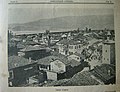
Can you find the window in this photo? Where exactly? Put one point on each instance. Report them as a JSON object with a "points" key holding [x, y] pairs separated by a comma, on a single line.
{"points": [[75, 47], [11, 74], [78, 58], [70, 53], [49, 67], [70, 47], [66, 52]]}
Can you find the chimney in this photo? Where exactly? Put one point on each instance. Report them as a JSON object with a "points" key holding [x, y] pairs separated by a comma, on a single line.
{"points": [[29, 59]]}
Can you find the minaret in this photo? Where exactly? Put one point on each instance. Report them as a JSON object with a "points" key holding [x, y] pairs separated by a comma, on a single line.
{"points": [[48, 37]]}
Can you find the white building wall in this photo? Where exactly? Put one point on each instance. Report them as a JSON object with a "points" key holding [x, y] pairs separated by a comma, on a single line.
{"points": [[51, 75], [72, 49], [61, 50], [75, 48], [21, 54], [60, 47], [58, 66], [106, 54]]}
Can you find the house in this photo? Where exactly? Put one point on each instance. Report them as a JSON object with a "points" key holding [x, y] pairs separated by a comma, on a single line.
{"points": [[60, 69], [64, 36], [29, 38], [66, 61], [37, 39], [67, 47], [44, 63], [20, 69], [20, 54], [105, 73], [63, 46], [16, 39], [12, 48], [20, 46], [74, 46], [35, 52], [31, 43], [45, 68], [80, 78], [75, 56], [54, 48], [55, 66], [58, 66], [55, 39], [82, 48], [52, 75]]}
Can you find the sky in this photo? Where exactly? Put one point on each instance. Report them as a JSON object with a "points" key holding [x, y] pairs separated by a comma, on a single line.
{"points": [[24, 14]]}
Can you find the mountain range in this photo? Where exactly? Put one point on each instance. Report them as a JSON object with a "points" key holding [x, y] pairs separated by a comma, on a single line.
{"points": [[67, 22]]}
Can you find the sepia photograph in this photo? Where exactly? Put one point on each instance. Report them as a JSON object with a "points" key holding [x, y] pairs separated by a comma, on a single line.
{"points": [[61, 45]]}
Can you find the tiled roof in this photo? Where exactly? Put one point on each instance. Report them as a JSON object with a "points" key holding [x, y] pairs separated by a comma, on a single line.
{"points": [[20, 46], [56, 38], [64, 42], [34, 48], [74, 63], [82, 78], [65, 61], [16, 39], [80, 37], [30, 43], [61, 57], [101, 71], [78, 79], [16, 61], [80, 55], [77, 54], [69, 42], [73, 42], [47, 60]]}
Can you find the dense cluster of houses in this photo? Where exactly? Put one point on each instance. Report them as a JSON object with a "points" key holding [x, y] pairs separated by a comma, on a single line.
{"points": [[100, 75], [38, 58]]}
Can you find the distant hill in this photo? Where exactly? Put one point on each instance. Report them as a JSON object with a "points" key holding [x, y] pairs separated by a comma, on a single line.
{"points": [[67, 22]]}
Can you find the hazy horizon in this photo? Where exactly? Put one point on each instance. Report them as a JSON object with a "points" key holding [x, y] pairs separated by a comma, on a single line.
{"points": [[25, 15], [59, 17]]}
